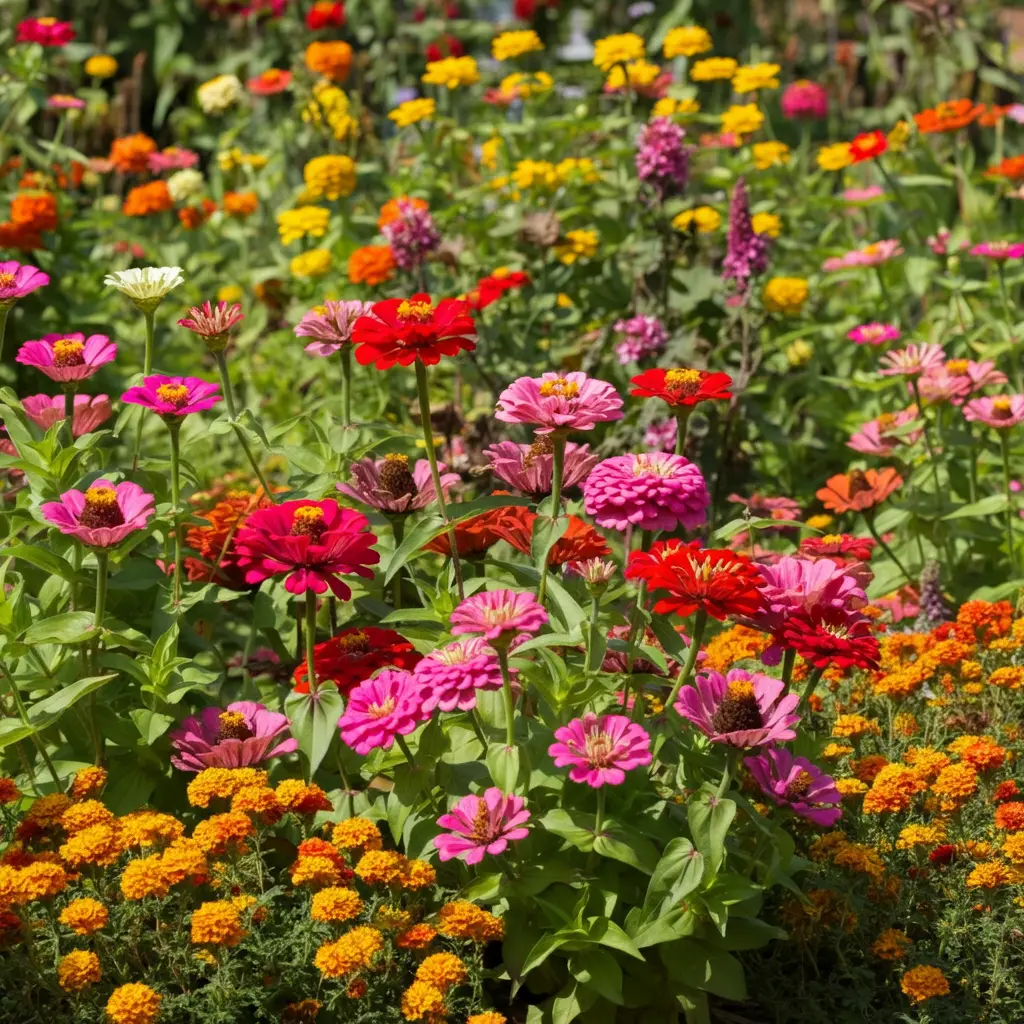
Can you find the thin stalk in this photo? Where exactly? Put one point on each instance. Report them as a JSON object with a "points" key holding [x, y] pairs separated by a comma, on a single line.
{"points": [[346, 385], [428, 437], [398, 531], [1018, 383], [174, 428], [349, 792], [730, 766], [928, 445], [812, 682], [682, 429], [557, 475], [229, 400], [598, 826], [4, 312], [404, 747], [474, 720], [101, 607], [700, 620], [1004, 444], [788, 661], [869, 519], [506, 689], [147, 369], [311, 641], [588, 662], [23, 715], [69, 413]]}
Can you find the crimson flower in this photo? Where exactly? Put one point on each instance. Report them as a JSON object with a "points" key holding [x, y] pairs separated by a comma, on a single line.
{"points": [[681, 387], [868, 145], [404, 330], [354, 655], [840, 548], [825, 635], [325, 13], [489, 289], [718, 581]]}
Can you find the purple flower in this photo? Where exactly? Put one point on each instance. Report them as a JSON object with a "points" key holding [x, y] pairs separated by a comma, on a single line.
{"points": [[388, 485], [90, 411], [795, 783], [652, 491], [501, 615], [644, 336], [173, 396], [482, 825], [528, 467], [601, 749], [742, 709], [103, 515], [330, 325], [746, 251], [451, 675], [17, 280], [67, 357], [380, 709], [412, 235], [245, 733], [661, 158]]}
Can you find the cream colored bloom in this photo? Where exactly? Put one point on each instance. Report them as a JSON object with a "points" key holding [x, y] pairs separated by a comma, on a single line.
{"points": [[184, 184], [145, 286], [216, 95]]}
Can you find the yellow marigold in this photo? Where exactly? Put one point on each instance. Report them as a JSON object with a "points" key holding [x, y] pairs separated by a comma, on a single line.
{"points": [[88, 782], [223, 832], [905, 724], [332, 59], [535, 174], [78, 970], [754, 77], [336, 903], [413, 111], [1013, 848], [184, 858], [222, 783], [98, 844], [769, 154], [314, 263], [912, 836], [315, 871], [733, 645], [620, 49], [421, 1001], [101, 65], [356, 834], [1011, 677], [973, 689], [893, 789], [84, 916], [742, 119], [892, 944], [144, 877], [420, 936], [859, 858], [668, 107], [835, 156], [686, 41], [702, 219], [464, 920], [381, 867], [451, 72], [641, 74], [488, 1017], [510, 45], [851, 788], [578, 244], [85, 814], [260, 801], [834, 750], [417, 874], [330, 176], [133, 1003], [992, 875], [921, 983], [925, 761], [147, 828], [769, 224], [302, 797], [38, 881], [442, 970], [785, 295], [217, 923], [978, 849], [295, 224], [852, 726], [354, 951], [713, 69], [956, 781]]}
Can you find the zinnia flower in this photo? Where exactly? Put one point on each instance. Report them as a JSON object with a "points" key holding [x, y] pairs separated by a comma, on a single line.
{"points": [[500, 615], [874, 333], [387, 484], [404, 330], [859, 490], [103, 515], [796, 784], [355, 654], [411, 234], [211, 324], [269, 82], [91, 411], [243, 734], [45, 31], [145, 286], [804, 101], [528, 467], [312, 541], [1000, 413], [380, 709], [482, 825], [556, 402], [18, 280], [883, 436], [330, 325], [643, 336], [67, 357], [172, 397], [681, 387], [451, 675], [826, 635], [601, 749], [912, 361]]}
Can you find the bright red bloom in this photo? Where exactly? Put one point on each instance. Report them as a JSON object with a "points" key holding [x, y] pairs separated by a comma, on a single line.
{"points": [[826, 636], [1010, 816], [944, 854], [354, 655], [45, 31], [1006, 790], [859, 490], [490, 289], [325, 13], [720, 582], [269, 82], [681, 387], [445, 46], [838, 547], [404, 330], [867, 146], [474, 537]]}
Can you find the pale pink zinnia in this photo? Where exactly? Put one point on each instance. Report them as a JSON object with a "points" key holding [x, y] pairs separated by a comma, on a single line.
{"points": [[330, 325], [451, 675], [91, 411], [554, 401], [912, 361], [380, 709], [869, 256], [601, 749], [528, 467], [882, 436], [859, 196], [939, 384], [1001, 412], [67, 357], [999, 250], [741, 709], [797, 784], [387, 484], [244, 733], [18, 280], [212, 324], [500, 615], [482, 825], [874, 333], [651, 491], [103, 515], [173, 396]]}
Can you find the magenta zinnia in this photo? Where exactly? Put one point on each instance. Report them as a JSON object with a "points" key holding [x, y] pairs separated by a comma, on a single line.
{"points": [[103, 515], [389, 485], [67, 357], [528, 467], [242, 734], [482, 825], [173, 396], [18, 280], [330, 326], [554, 401], [795, 783], [601, 749], [500, 615], [380, 709], [451, 675]]}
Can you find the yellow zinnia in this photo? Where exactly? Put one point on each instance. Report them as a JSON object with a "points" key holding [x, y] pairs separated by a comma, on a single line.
{"points": [[686, 41], [835, 157], [785, 295], [314, 263], [620, 49], [742, 119], [703, 219], [579, 244], [713, 69], [451, 72], [510, 45], [412, 112], [753, 77], [668, 107], [770, 154]]}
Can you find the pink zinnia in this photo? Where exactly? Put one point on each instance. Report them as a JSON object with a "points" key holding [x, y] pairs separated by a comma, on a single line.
{"points": [[652, 491], [388, 485], [310, 541], [482, 825], [661, 435], [67, 357], [912, 361], [981, 375], [90, 411], [17, 280], [500, 615], [451, 675], [380, 709], [528, 467], [870, 256], [804, 100], [245, 733], [173, 396], [874, 333], [103, 515], [554, 401], [940, 385], [601, 749], [1001, 412], [45, 31], [212, 324], [172, 158], [795, 783], [61, 101], [999, 250], [883, 436], [330, 325], [863, 195], [742, 709]]}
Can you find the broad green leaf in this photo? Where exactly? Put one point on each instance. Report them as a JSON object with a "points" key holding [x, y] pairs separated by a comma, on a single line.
{"points": [[629, 847], [546, 533], [542, 949], [503, 764], [49, 561], [678, 873], [12, 730], [575, 828], [989, 506], [68, 628], [46, 711], [709, 819], [597, 969], [314, 722]]}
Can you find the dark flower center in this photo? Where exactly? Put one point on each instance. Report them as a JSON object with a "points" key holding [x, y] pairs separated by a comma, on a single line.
{"points": [[395, 477], [233, 726], [309, 522], [173, 394], [353, 644], [542, 446], [101, 509], [1001, 409], [738, 710], [858, 482], [481, 823], [68, 352], [797, 789]]}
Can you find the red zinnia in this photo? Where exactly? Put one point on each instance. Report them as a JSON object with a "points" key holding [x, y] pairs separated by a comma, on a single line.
{"points": [[838, 548], [404, 330], [269, 82], [445, 46], [324, 13], [867, 146], [827, 636], [943, 854], [490, 289], [354, 655], [720, 582], [680, 386]]}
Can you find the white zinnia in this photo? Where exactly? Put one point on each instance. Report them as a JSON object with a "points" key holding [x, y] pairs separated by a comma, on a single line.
{"points": [[145, 286], [216, 95], [184, 184]]}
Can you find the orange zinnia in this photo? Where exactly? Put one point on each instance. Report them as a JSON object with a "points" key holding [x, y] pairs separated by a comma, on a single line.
{"points": [[34, 211], [371, 265], [130, 153], [152, 197], [392, 209], [331, 59], [15, 236], [192, 217], [948, 117], [240, 204], [1012, 167], [859, 490], [992, 116]]}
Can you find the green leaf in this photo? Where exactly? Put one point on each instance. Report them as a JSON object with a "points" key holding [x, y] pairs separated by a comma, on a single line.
{"points": [[46, 711], [735, 526], [542, 949], [1000, 592], [11, 731], [546, 533], [989, 506], [597, 969], [629, 847], [314, 721], [709, 819], [608, 933], [48, 561], [575, 828], [151, 724], [678, 873], [69, 628], [703, 967], [503, 765]]}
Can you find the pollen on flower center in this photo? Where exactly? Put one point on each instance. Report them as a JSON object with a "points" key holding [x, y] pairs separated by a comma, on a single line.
{"points": [[395, 477], [832, 538], [47, 21], [599, 749], [173, 394], [560, 388], [799, 786], [271, 76], [738, 709], [542, 446], [499, 616], [101, 508], [68, 352], [414, 312], [683, 382], [232, 726], [6, 280], [353, 643], [957, 367], [858, 482], [481, 823], [1002, 409], [646, 464], [309, 522], [381, 710]]}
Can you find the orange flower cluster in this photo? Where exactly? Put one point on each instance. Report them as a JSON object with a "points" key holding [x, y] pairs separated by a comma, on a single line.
{"points": [[371, 265], [143, 200], [129, 154], [192, 217], [948, 117], [32, 213], [215, 543], [240, 204]]}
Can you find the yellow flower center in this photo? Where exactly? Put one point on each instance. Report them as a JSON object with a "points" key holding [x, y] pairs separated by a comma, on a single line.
{"points": [[67, 352], [542, 446], [271, 76], [599, 748], [101, 508], [741, 689], [481, 823], [683, 382], [47, 21], [832, 538], [173, 394], [414, 312], [309, 522], [232, 726], [799, 786], [6, 280], [1001, 408], [957, 367], [559, 388], [886, 421], [381, 710]]}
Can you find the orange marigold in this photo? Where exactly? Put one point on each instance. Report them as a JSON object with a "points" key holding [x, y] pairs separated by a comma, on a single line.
{"points": [[88, 782], [8, 790], [357, 834], [336, 904], [89, 812], [184, 858], [223, 832], [417, 874], [305, 1011], [893, 790], [392, 209], [371, 265], [84, 916], [421, 1001], [381, 867], [330, 58], [867, 768], [98, 844], [1010, 677], [982, 753], [147, 828], [354, 951], [1010, 816], [850, 726], [34, 211], [921, 983], [153, 197], [79, 969], [419, 936], [316, 871], [302, 797], [926, 761], [222, 783], [892, 944], [738, 643], [38, 881], [464, 920], [260, 801], [487, 1017], [956, 782], [240, 204], [983, 621], [217, 923], [133, 1003], [130, 153], [1013, 848], [905, 724], [144, 877], [442, 970], [992, 875]]}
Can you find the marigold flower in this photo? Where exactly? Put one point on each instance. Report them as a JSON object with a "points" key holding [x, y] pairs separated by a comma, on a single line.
{"points": [[144, 877], [78, 969], [371, 265], [956, 782], [354, 951], [488, 1017], [217, 923], [1010, 816], [305, 1011], [84, 916], [34, 211], [1013, 848], [335, 904], [222, 833], [993, 875], [421, 1001], [356, 834], [380, 867], [39, 880], [330, 176], [98, 844], [153, 197], [419, 936], [785, 295], [893, 789], [130, 153], [913, 836], [223, 783], [892, 944], [133, 1003]]}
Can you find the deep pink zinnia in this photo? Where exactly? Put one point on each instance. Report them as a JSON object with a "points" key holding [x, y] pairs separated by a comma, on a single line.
{"points": [[67, 357], [172, 158], [103, 515], [212, 324], [874, 333], [389, 485], [804, 100], [244, 733], [651, 491], [999, 250], [90, 411], [554, 401], [451, 675], [912, 361], [1000, 413], [380, 709], [500, 615], [310, 541], [330, 325], [528, 467], [482, 825], [795, 783], [18, 280], [882, 436], [601, 749], [742, 709], [45, 31], [173, 396]]}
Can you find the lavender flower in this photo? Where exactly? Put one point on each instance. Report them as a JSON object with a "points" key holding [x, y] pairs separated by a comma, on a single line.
{"points": [[661, 158], [933, 605], [747, 252], [644, 336]]}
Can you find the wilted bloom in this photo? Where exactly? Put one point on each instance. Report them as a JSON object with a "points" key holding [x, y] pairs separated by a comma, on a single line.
{"points": [[999, 250], [145, 286], [18, 280], [212, 324], [601, 749], [103, 515], [90, 411], [912, 361], [529, 467], [796, 784], [804, 101], [742, 709], [245, 733], [381, 708], [451, 675], [173, 396], [500, 615], [1001, 412], [882, 436], [482, 825], [330, 325], [67, 357], [404, 330], [389, 485], [644, 336], [747, 251], [681, 387], [661, 158], [859, 490], [553, 401], [874, 333]]}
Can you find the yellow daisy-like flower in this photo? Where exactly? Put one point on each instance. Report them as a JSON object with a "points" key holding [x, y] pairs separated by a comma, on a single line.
{"points": [[713, 69], [620, 49], [921, 983], [686, 41], [133, 1003], [576, 169], [769, 224], [702, 219], [785, 295], [451, 72], [668, 107], [102, 65], [769, 154], [510, 45], [834, 750], [753, 77], [642, 74], [329, 105], [84, 814], [579, 244], [535, 174], [742, 119], [330, 176], [521, 84], [835, 157], [489, 150], [224, 783], [305, 220], [78, 970], [413, 111]]}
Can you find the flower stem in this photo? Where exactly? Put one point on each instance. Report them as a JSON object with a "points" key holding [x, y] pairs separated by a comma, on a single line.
{"points": [[557, 475], [788, 661], [869, 519], [350, 798], [599, 818], [69, 412], [147, 369], [928, 445], [812, 682], [174, 428], [1018, 384], [474, 719], [595, 611], [229, 400], [346, 385], [428, 437], [404, 747], [731, 758], [506, 689], [311, 641], [4, 312], [700, 620], [398, 530], [101, 607], [682, 428], [23, 715], [1004, 444]]}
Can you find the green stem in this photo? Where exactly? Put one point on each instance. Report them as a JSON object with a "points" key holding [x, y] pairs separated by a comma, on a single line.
{"points": [[506, 689], [311, 641], [1015, 362], [474, 719], [174, 428], [599, 817], [812, 682], [557, 475], [346, 385], [23, 715], [69, 412], [700, 620], [588, 662], [398, 531], [788, 661], [428, 437], [4, 312], [404, 747], [147, 369], [731, 759], [101, 607], [350, 798], [682, 429], [1004, 444], [869, 519], [229, 401]]}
